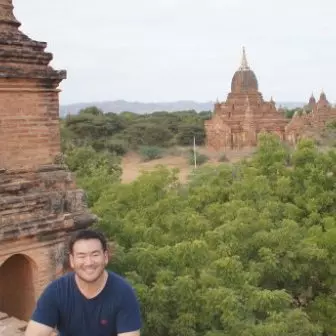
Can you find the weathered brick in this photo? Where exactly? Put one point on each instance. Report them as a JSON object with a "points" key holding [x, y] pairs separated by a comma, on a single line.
{"points": [[237, 122], [39, 202], [301, 125]]}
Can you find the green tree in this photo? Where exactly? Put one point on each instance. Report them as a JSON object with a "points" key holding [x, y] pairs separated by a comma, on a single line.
{"points": [[241, 249], [186, 134], [94, 171], [147, 134]]}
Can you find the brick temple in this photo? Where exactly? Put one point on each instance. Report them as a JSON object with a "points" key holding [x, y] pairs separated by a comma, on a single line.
{"points": [[39, 201], [314, 117], [237, 121]]}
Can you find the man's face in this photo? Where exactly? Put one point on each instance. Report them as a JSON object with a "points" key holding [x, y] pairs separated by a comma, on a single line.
{"points": [[88, 259]]}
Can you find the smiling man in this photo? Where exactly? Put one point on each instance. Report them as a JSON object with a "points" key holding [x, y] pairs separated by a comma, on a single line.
{"points": [[90, 301]]}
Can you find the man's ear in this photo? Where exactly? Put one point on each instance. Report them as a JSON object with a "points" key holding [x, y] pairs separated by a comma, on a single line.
{"points": [[110, 252], [71, 262]]}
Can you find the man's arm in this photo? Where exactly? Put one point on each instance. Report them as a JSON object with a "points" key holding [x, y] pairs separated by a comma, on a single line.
{"points": [[46, 315], [132, 333], [38, 329], [128, 317]]}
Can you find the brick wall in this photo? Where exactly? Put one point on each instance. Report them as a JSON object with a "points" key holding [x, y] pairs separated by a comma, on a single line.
{"points": [[39, 201], [29, 125], [236, 123], [26, 267]]}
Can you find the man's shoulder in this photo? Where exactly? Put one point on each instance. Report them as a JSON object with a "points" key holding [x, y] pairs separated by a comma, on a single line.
{"points": [[121, 290], [59, 284]]}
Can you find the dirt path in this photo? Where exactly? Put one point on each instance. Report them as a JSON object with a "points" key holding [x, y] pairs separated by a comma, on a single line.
{"points": [[132, 163], [132, 166]]}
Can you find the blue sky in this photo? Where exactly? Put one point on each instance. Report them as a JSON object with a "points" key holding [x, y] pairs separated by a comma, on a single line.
{"points": [[164, 50]]}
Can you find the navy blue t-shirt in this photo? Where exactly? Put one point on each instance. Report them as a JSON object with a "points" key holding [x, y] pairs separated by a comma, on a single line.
{"points": [[114, 310]]}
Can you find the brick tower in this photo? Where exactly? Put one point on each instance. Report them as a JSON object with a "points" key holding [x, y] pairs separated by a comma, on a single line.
{"points": [[236, 122], [39, 201]]}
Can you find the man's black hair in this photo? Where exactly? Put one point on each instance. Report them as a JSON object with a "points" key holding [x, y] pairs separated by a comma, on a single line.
{"points": [[86, 235]]}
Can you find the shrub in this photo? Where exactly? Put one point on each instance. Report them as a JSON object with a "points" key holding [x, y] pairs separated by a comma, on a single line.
{"points": [[186, 134], [147, 134], [176, 151], [223, 158], [120, 147], [85, 160], [200, 158], [114, 146], [149, 153], [331, 125]]}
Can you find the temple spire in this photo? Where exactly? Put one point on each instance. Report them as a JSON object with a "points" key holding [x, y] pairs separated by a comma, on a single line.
{"points": [[312, 100], [22, 57], [323, 96], [7, 18], [244, 64]]}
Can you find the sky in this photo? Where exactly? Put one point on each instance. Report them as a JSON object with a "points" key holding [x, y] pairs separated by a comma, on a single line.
{"points": [[168, 50]]}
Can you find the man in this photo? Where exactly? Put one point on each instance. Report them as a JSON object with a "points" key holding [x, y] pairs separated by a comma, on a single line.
{"points": [[90, 301]]}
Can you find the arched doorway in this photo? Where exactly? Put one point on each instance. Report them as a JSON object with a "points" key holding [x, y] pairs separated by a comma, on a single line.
{"points": [[17, 296]]}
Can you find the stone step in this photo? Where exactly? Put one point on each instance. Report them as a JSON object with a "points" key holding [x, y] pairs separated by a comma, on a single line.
{"points": [[11, 326]]}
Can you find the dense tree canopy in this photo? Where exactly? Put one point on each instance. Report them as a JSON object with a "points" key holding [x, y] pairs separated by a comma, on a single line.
{"points": [[243, 249], [118, 133]]}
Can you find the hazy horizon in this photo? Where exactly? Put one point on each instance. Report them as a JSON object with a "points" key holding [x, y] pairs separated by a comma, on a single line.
{"points": [[171, 50]]}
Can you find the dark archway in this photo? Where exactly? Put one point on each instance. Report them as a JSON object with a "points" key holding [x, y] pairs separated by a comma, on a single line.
{"points": [[17, 294]]}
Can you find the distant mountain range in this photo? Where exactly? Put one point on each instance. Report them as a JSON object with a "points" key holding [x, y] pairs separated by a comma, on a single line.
{"points": [[118, 106]]}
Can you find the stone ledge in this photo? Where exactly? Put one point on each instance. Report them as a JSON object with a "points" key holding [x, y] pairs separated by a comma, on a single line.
{"points": [[50, 167], [11, 326], [20, 39], [47, 74], [46, 225], [15, 186], [46, 178], [42, 168]]}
